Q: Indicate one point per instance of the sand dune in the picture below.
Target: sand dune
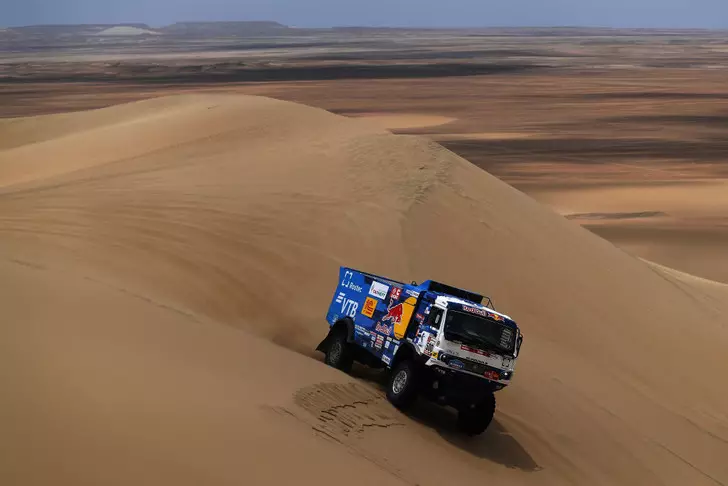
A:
(166, 266)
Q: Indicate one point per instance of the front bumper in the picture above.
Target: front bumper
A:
(464, 365)
(456, 388)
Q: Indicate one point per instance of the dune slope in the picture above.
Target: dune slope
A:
(168, 263)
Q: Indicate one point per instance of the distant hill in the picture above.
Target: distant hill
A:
(125, 30)
(71, 29)
(32, 35)
(225, 29)
(19, 37)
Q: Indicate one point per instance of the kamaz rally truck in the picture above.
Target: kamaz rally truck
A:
(439, 342)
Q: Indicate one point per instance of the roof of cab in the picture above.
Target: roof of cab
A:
(449, 298)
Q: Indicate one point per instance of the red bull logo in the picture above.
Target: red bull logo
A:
(496, 317)
(399, 316)
(386, 330)
(394, 314)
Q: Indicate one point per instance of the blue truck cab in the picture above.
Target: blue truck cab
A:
(439, 342)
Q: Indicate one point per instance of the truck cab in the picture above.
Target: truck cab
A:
(438, 342)
(469, 337)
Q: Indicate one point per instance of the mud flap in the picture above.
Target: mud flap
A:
(323, 344)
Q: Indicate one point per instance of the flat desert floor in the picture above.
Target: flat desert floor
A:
(168, 251)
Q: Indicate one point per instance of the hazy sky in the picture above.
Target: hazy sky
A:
(324, 13)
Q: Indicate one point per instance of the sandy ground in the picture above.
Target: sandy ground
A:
(636, 156)
(166, 266)
(648, 142)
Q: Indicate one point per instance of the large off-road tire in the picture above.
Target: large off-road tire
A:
(402, 385)
(474, 419)
(338, 351)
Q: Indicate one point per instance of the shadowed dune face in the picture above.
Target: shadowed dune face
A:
(157, 252)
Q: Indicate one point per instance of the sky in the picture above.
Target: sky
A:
(395, 13)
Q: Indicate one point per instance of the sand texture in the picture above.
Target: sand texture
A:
(166, 266)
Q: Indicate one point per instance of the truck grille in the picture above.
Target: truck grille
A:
(472, 366)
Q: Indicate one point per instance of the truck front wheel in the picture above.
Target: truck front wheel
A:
(338, 352)
(475, 418)
(402, 386)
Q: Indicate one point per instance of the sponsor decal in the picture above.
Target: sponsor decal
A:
(379, 342)
(387, 360)
(384, 329)
(475, 310)
(457, 364)
(340, 297)
(419, 317)
(394, 314)
(387, 343)
(429, 342)
(379, 290)
(479, 360)
(396, 292)
(484, 313)
(412, 293)
(361, 330)
(396, 347)
(370, 305)
(348, 284)
(348, 306)
(473, 350)
(347, 278)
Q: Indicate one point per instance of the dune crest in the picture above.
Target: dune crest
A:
(156, 253)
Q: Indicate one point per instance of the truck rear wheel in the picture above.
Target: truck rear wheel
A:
(339, 354)
(474, 419)
(402, 386)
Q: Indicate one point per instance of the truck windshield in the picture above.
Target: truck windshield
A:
(479, 332)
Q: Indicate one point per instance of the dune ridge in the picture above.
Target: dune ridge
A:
(156, 253)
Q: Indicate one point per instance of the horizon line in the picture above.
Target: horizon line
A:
(356, 26)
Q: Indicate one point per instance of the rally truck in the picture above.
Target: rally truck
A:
(439, 342)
